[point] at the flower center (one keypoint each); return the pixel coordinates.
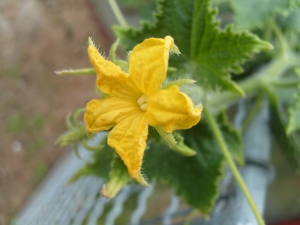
(143, 102)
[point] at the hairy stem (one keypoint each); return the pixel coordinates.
(216, 131)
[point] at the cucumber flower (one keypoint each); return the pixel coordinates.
(134, 101)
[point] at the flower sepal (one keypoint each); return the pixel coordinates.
(175, 142)
(142, 180)
(118, 178)
(168, 137)
(182, 148)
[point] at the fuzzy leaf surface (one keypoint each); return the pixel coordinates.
(208, 54)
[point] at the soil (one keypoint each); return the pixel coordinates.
(38, 37)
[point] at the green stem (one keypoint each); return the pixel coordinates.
(84, 71)
(118, 14)
(253, 112)
(283, 44)
(232, 166)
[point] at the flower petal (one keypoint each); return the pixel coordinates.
(148, 63)
(129, 139)
(171, 110)
(105, 113)
(110, 77)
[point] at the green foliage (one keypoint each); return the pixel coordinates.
(256, 13)
(208, 54)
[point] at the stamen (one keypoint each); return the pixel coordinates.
(143, 102)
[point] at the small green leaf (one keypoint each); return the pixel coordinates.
(250, 14)
(208, 54)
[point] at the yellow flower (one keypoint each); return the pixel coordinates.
(136, 101)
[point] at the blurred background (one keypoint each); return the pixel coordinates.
(38, 37)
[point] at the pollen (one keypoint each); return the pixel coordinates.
(143, 102)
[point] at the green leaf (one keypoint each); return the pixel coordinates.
(290, 146)
(250, 14)
(195, 179)
(99, 166)
(208, 54)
